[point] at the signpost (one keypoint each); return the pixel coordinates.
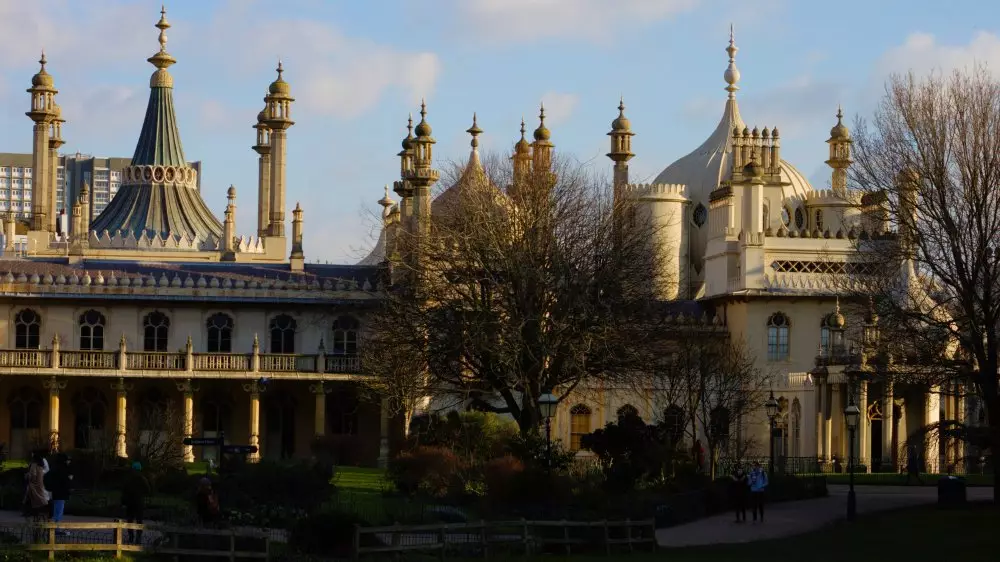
(220, 442)
(239, 449)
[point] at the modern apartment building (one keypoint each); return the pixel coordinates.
(102, 174)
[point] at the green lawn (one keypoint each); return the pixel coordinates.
(911, 535)
(360, 479)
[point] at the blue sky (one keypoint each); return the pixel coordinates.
(358, 67)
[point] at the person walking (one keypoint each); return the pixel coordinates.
(36, 496)
(738, 492)
(913, 465)
(758, 487)
(59, 480)
(134, 492)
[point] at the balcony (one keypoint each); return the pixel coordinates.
(186, 364)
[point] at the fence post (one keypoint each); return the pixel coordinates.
(232, 545)
(443, 538)
(628, 533)
(356, 546)
(52, 541)
(485, 539)
(607, 538)
(524, 537)
(652, 531)
(118, 538)
(569, 550)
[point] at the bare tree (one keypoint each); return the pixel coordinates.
(928, 168)
(717, 384)
(525, 282)
(158, 434)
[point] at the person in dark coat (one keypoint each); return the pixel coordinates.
(134, 492)
(207, 503)
(738, 492)
(59, 481)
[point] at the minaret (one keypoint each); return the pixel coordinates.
(522, 160)
(388, 228)
(402, 187)
(43, 112)
(279, 104)
(55, 142)
(420, 178)
(263, 149)
(229, 227)
(297, 257)
(840, 154)
(85, 210)
(541, 149)
(621, 149)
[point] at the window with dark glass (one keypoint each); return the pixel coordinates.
(220, 333)
(345, 336)
(92, 331)
(282, 330)
(27, 325)
(155, 327)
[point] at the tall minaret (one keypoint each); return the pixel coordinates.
(402, 187)
(263, 148)
(279, 105)
(421, 177)
(43, 112)
(541, 149)
(55, 141)
(229, 227)
(621, 149)
(840, 154)
(522, 157)
(297, 259)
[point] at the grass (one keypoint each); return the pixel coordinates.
(925, 533)
(360, 479)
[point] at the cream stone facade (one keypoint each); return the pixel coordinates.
(157, 320)
(758, 252)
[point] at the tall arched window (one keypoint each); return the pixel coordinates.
(220, 333)
(819, 220)
(90, 409)
(675, 421)
(627, 411)
(579, 425)
(282, 330)
(796, 423)
(345, 336)
(155, 328)
(800, 218)
(92, 331)
(25, 407)
(777, 337)
(27, 324)
(766, 217)
(824, 338)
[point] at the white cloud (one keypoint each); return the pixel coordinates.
(597, 20)
(559, 107)
(922, 53)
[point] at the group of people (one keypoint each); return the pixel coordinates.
(47, 488)
(748, 487)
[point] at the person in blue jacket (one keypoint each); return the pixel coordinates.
(758, 486)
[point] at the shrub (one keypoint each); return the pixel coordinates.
(327, 534)
(500, 474)
(429, 470)
(254, 488)
(475, 437)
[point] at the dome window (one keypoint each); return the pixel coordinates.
(819, 220)
(800, 218)
(700, 215)
(786, 216)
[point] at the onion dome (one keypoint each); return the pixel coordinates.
(542, 133)
(836, 320)
(522, 146)
(43, 79)
(621, 123)
(262, 116)
(753, 169)
(423, 129)
(279, 87)
(408, 140)
(839, 131)
(231, 192)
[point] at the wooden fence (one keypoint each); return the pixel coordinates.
(112, 537)
(522, 536)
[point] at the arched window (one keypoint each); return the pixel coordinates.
(345, 336)
(216, 420)
(700, 215)
(674, 422)
(824, 338)
(819, 220)
(220, 333)
(777, 337)
(786, 216)
(579, 425)
(796, 423)
(25, 408)
(628, 411)
(800, 218)
(781, 435)
(26, 329)
(90, 409)
(282, 330)
(92, 331)
(766, 217)
(343, 404)
(155, 328)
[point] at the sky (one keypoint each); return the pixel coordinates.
(357, 68)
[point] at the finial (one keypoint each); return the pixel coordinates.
(541, 113)
(475, 131)
(621, 106)
(837, 309)
(732, 74)
(280, 69)
(523, 130)
(298, 208)
(162, 59)
(423, 108)
(163, 25)
(43, 60)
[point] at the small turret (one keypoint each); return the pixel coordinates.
(297, 259)
(541, 149)
(522, 155)
(229, 226)
(840, 154)
(45, 113)
(279, 119)
(621, 148)
(263, 149)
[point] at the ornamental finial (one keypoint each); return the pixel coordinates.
(732, 74)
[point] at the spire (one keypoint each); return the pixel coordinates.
(542, 133)
(732, 74)
(474, 165)
(522, 147)
(160, 141)
(475, 131)
(162, 59)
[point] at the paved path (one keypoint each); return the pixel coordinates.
(794, 518)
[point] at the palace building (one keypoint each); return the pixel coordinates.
(155, 320)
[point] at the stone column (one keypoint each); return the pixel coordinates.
(932, 415)
(383, 446)
(888, 420)
(320, 389)
(820, 418)
(121, 410)
(828, 422)
(188, 389)
(255, 389)
(960, 417)
(53, 385)
(863, 451)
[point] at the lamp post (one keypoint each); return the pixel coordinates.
(771, 407)
(547, 407)
(852, 414)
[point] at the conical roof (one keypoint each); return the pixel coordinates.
(159, 191)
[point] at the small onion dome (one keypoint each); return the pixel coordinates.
(262, 116)
(43, 79)
(522, 146)
(408, 140)
(839, 131)
(231, 192)
(753, 169)
(279, 86)
(621, 123)
(542, 132)
(836, 320)
(423, 127)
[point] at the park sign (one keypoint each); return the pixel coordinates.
(203, 441)
(239, 449)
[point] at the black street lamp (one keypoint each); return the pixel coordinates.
(771, 407)
(547, 407)
(853, 415)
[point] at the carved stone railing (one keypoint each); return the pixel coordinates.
(121, 361)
